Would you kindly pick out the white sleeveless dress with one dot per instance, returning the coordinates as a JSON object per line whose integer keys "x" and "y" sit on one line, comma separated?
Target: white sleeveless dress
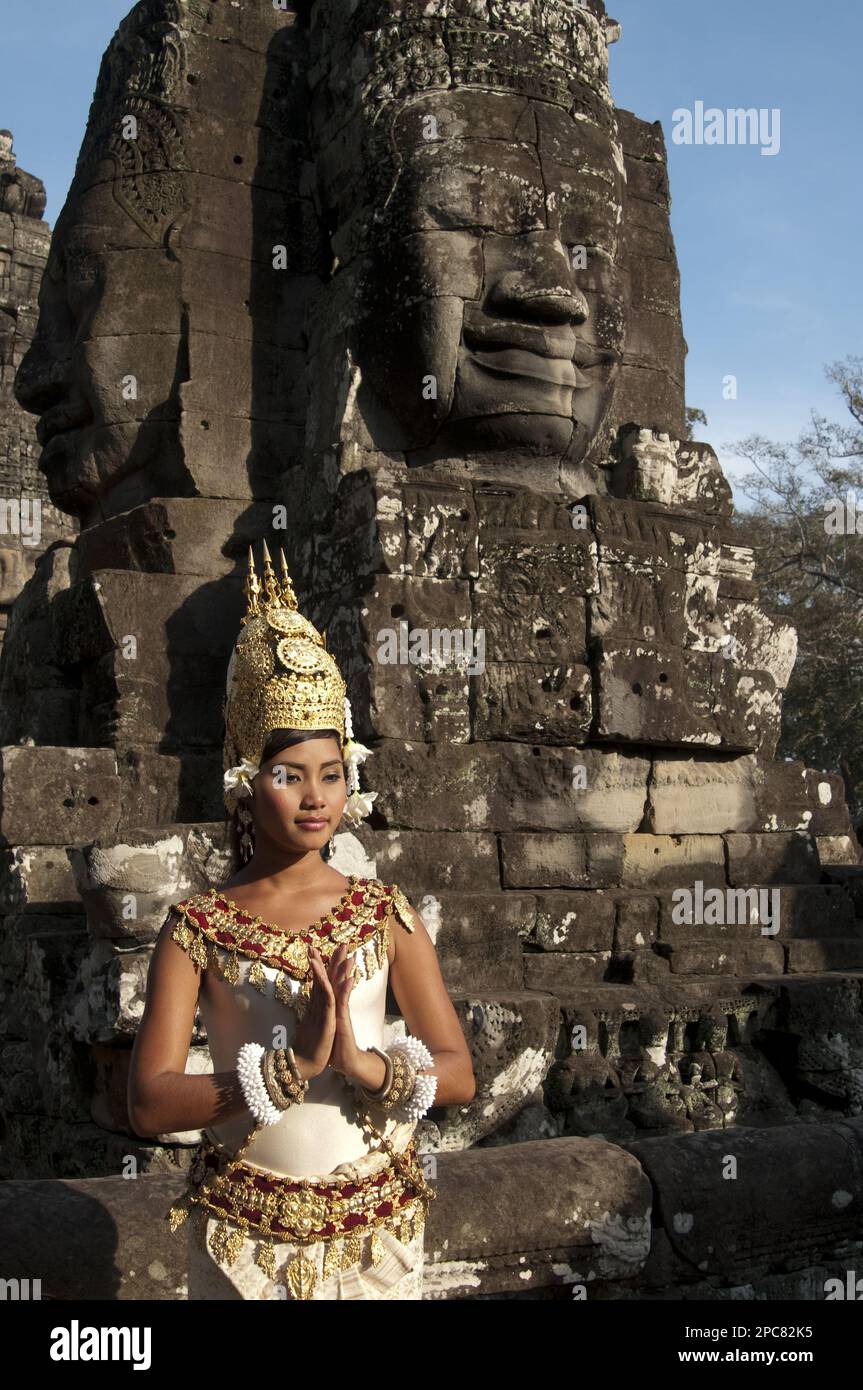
{"x": 321, "y": 1138}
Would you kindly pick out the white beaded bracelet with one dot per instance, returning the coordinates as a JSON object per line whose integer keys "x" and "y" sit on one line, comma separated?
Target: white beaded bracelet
{"x": 422, "y": 1096}
{"x": 252, "y": 1084}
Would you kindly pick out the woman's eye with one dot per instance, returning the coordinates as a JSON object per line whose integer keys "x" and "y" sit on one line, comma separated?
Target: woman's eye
{"x": 292, "y": 777}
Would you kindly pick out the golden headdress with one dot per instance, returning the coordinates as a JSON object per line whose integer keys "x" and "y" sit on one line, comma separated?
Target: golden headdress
{"x": 281, "y": 676}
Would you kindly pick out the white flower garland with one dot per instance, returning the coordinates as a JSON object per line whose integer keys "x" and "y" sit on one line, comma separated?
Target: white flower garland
{"x": 359, "y": 804}
{"x": 422, "y": 1096}
{"x": 252, "y": 1084}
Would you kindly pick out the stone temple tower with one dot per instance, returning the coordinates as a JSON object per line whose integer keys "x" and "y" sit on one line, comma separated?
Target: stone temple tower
{"x": 392, "y": 284}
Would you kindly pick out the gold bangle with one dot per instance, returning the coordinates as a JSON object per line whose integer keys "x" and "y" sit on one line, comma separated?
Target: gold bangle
{"x": 293, "y": 1088}
{"x": 294, "y": 1066}
{"x": 403, "y": 1083}
{"x": 383, "y": 1090}
{"x": 289, "y": 1069}
{"x": 271, "y": 1083}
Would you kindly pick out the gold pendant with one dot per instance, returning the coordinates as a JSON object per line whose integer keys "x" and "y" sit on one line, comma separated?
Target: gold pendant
{"x": 284, "y": 993}
{"x": 297, "y": 954}
{"x": 376, "y": 1248}
{"x": 265, "y": 1259}
{"x": 177, "y": 1215}
{"x": 198, "y": 952}
{"x": 402, "y": 908}
{"x": 257, "y": 978}
{"x": 352, "y": 1251}
{"x": 218, "y": 1239}
{"x": 413, "y": 1224}
{"x": 332, "y": 1258}
{"x": 183, "y": 935}
{"x": 226, "y": 1244}
{"x": 301, "y": 1276}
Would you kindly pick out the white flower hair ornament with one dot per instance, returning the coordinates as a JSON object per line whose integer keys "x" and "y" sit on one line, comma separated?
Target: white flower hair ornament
{"x": 239, "y": 778}
{"x": 359, "y": 803}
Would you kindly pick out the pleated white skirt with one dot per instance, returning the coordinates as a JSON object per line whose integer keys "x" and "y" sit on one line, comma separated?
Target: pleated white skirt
{"x": 397, "y": 1275}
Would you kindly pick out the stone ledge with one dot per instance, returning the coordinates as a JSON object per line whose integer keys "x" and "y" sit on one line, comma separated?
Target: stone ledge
{"x": 797, "y": 1198}
{"x": 587, "y": 1220}
{"x": 588, "y": 1216}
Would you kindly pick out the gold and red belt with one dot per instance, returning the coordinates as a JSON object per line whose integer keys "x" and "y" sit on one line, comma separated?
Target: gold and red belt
{"x": 337, "y": 1211}
{"x": 303, "y": 1210}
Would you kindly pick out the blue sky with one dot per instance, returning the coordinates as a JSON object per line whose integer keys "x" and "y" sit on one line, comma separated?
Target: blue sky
{"x": 771, "y": 287}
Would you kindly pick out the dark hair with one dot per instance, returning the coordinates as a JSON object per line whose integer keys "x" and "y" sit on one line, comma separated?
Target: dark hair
{"x": 279, "y": 739}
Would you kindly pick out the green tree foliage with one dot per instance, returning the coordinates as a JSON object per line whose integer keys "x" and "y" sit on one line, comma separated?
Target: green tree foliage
{"x": 806, "y": 525}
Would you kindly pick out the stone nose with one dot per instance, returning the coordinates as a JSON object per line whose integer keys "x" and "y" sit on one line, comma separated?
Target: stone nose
{"x": 42, "y": 379}
{"x": 543, "y": 290}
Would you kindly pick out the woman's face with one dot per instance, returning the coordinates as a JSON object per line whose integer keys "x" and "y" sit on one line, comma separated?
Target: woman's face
{"x": 300, "y": 794}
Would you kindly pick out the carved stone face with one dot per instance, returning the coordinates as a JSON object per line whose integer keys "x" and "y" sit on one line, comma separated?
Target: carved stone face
{"x": 164, "y": 356}
{"x": 493, "y": 312}
{"x": 104, "y": 366}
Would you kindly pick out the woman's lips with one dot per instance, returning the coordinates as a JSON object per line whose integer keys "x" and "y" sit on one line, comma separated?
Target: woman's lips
{"x": 312, "y": 824}
{"x": 520, "y": 362}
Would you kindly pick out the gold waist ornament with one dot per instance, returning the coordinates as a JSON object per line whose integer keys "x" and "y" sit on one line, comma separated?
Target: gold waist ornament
{"x": 344, "y": 1214}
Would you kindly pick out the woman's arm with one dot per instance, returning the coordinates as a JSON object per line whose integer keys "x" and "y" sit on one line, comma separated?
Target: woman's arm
{"x": 429, "y": 1014}
{"x": 161, "y": 1098}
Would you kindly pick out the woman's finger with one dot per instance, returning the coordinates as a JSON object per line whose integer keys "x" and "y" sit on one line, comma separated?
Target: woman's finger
{"x": 325, "y": 990}
{"x": 347, "y": 982}
{"x": 336, "y": 959}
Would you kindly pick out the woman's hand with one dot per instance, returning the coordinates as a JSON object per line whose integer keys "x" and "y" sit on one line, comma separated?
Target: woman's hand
{"x": 316, "y": 1030}
{"x": 356, "y": 1063}
{"x": 342, "y": 976}
{"x": 327, "y": 1023}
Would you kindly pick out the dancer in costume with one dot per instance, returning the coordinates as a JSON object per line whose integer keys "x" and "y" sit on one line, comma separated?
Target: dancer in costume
{"x": 307, "y": 1183}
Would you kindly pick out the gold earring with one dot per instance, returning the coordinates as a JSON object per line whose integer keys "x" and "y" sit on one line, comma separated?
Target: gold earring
{"x": 247, "y": 835}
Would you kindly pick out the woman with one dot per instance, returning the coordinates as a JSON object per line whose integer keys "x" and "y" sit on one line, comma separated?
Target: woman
{"x": 307, "y": 1183}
